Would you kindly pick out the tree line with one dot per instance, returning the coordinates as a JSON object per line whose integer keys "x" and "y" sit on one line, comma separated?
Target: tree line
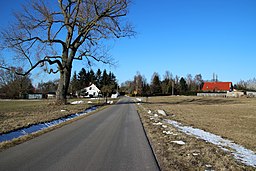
{"x": 169, "y": 85}
{"x": 246, "y": 85}
{"x": 13, "y": 86}
{"x": 16, "y": 86}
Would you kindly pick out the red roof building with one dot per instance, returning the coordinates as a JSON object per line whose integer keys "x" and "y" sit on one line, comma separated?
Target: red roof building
{"x": 217, "y": 86}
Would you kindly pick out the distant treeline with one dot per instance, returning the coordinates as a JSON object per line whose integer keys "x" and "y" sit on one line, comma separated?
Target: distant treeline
{"x": 16, "y": 86}
{"x": 171, "y": 85}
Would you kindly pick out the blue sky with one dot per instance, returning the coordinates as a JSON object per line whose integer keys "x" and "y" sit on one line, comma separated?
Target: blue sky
{"x": 185, "y": 37}
{"x": 193, "y": 36}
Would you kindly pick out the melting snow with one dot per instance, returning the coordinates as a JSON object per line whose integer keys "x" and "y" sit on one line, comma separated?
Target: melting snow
{"x": 164, "y": 126}
{"x": 41, "y": 126}
{"x": 246, "y": 156}
{"x": 77, "y": 102}
{"x": 161, "y": 112}
{"x": 179, "y": 142}
{"x": 159, "y": 123}
{"x": 168, "y": 133}
{"x": 139, "y": 99}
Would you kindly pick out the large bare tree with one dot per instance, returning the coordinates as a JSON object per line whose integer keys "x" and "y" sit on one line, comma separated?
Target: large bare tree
{"x": 52, "y": 34}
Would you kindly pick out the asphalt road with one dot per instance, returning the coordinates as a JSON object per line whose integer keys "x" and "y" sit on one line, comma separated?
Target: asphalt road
{"x": 112, "y": 139}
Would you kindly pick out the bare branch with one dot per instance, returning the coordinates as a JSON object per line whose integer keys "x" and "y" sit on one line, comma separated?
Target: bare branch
{"x": 44, "y": 36}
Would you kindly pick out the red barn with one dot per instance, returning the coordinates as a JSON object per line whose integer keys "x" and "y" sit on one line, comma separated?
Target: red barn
{"x": 217, "y": 86}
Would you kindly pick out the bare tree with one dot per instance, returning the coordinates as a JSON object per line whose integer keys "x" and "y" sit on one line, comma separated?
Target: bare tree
{"x": 138, "y": 83}
{"x": 14, "y": 86}
{"x": 53, "y": 34}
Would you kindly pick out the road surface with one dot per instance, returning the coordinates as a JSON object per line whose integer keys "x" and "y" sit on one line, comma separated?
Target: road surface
{"x": 112, "y": 139}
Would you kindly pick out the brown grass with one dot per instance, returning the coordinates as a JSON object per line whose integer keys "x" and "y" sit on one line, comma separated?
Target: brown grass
{"x": 21, "y": 113}
{"x": 16, "y": 141}
{"x": 231, "y": 118}
{"x": 216, "y": 115}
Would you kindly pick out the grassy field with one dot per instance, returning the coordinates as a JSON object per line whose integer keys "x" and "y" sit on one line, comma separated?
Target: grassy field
{"x": 16, "y": 114}
{"x": 233, "y": 119}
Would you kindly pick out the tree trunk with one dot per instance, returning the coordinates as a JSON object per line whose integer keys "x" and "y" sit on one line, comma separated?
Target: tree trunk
{"x": 61, "y": 94}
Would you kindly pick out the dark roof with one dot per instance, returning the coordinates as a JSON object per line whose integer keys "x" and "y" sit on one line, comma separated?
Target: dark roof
{"x": 217, "y": 86}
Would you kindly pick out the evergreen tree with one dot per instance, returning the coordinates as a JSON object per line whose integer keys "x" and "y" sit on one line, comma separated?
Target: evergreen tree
{"x": 104, "y": 79}
{"x": 91, "y": 77}
{"x": 156, "y": 84}
{"x": 106, "y": 82}
{"x": 98, "y": 78}
{"x": 83, "y": 78}
{"x": 183, "y": 86}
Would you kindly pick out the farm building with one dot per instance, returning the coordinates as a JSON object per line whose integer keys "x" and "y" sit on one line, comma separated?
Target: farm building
{"x": 91, "y": 91}
{"x": 35, "y": 96}
{"x": 217, "y": 86}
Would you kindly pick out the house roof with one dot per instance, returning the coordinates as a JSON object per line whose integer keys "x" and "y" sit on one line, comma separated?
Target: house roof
{"x": 217, "y": 86}
{"x": 93, "y": 86}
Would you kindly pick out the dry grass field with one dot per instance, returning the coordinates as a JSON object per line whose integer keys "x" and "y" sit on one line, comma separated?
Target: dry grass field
{"x": 15, "y": 114}
{"x": 234, "y": 119}
{"x": 231, "y": 118}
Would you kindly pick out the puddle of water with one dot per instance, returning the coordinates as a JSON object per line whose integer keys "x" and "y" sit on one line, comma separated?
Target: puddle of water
{"x": 244, "y": 155}
{"x": 41, "y": 126}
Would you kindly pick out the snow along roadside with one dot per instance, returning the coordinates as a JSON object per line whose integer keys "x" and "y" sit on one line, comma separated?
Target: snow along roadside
{"x": 242, "y": 154}
{"x": 41, "y": 126}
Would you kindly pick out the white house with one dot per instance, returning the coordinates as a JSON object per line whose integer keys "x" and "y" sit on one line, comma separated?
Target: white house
{"x": 91, "y": 91}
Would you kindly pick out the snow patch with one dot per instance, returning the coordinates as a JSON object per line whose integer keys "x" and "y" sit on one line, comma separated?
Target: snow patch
{"x": 158, "y": 123}
{"x": 242, "y": 154}
{"x": 139, "y": 99}
{"x": 195, "y": 154}
{"x": 161, "y": 112}
{"x": 168, "y": 133}
{"x": 179, "y": 142}
{"x": 77, "y": 102}
{"x": 164, "y": 126}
